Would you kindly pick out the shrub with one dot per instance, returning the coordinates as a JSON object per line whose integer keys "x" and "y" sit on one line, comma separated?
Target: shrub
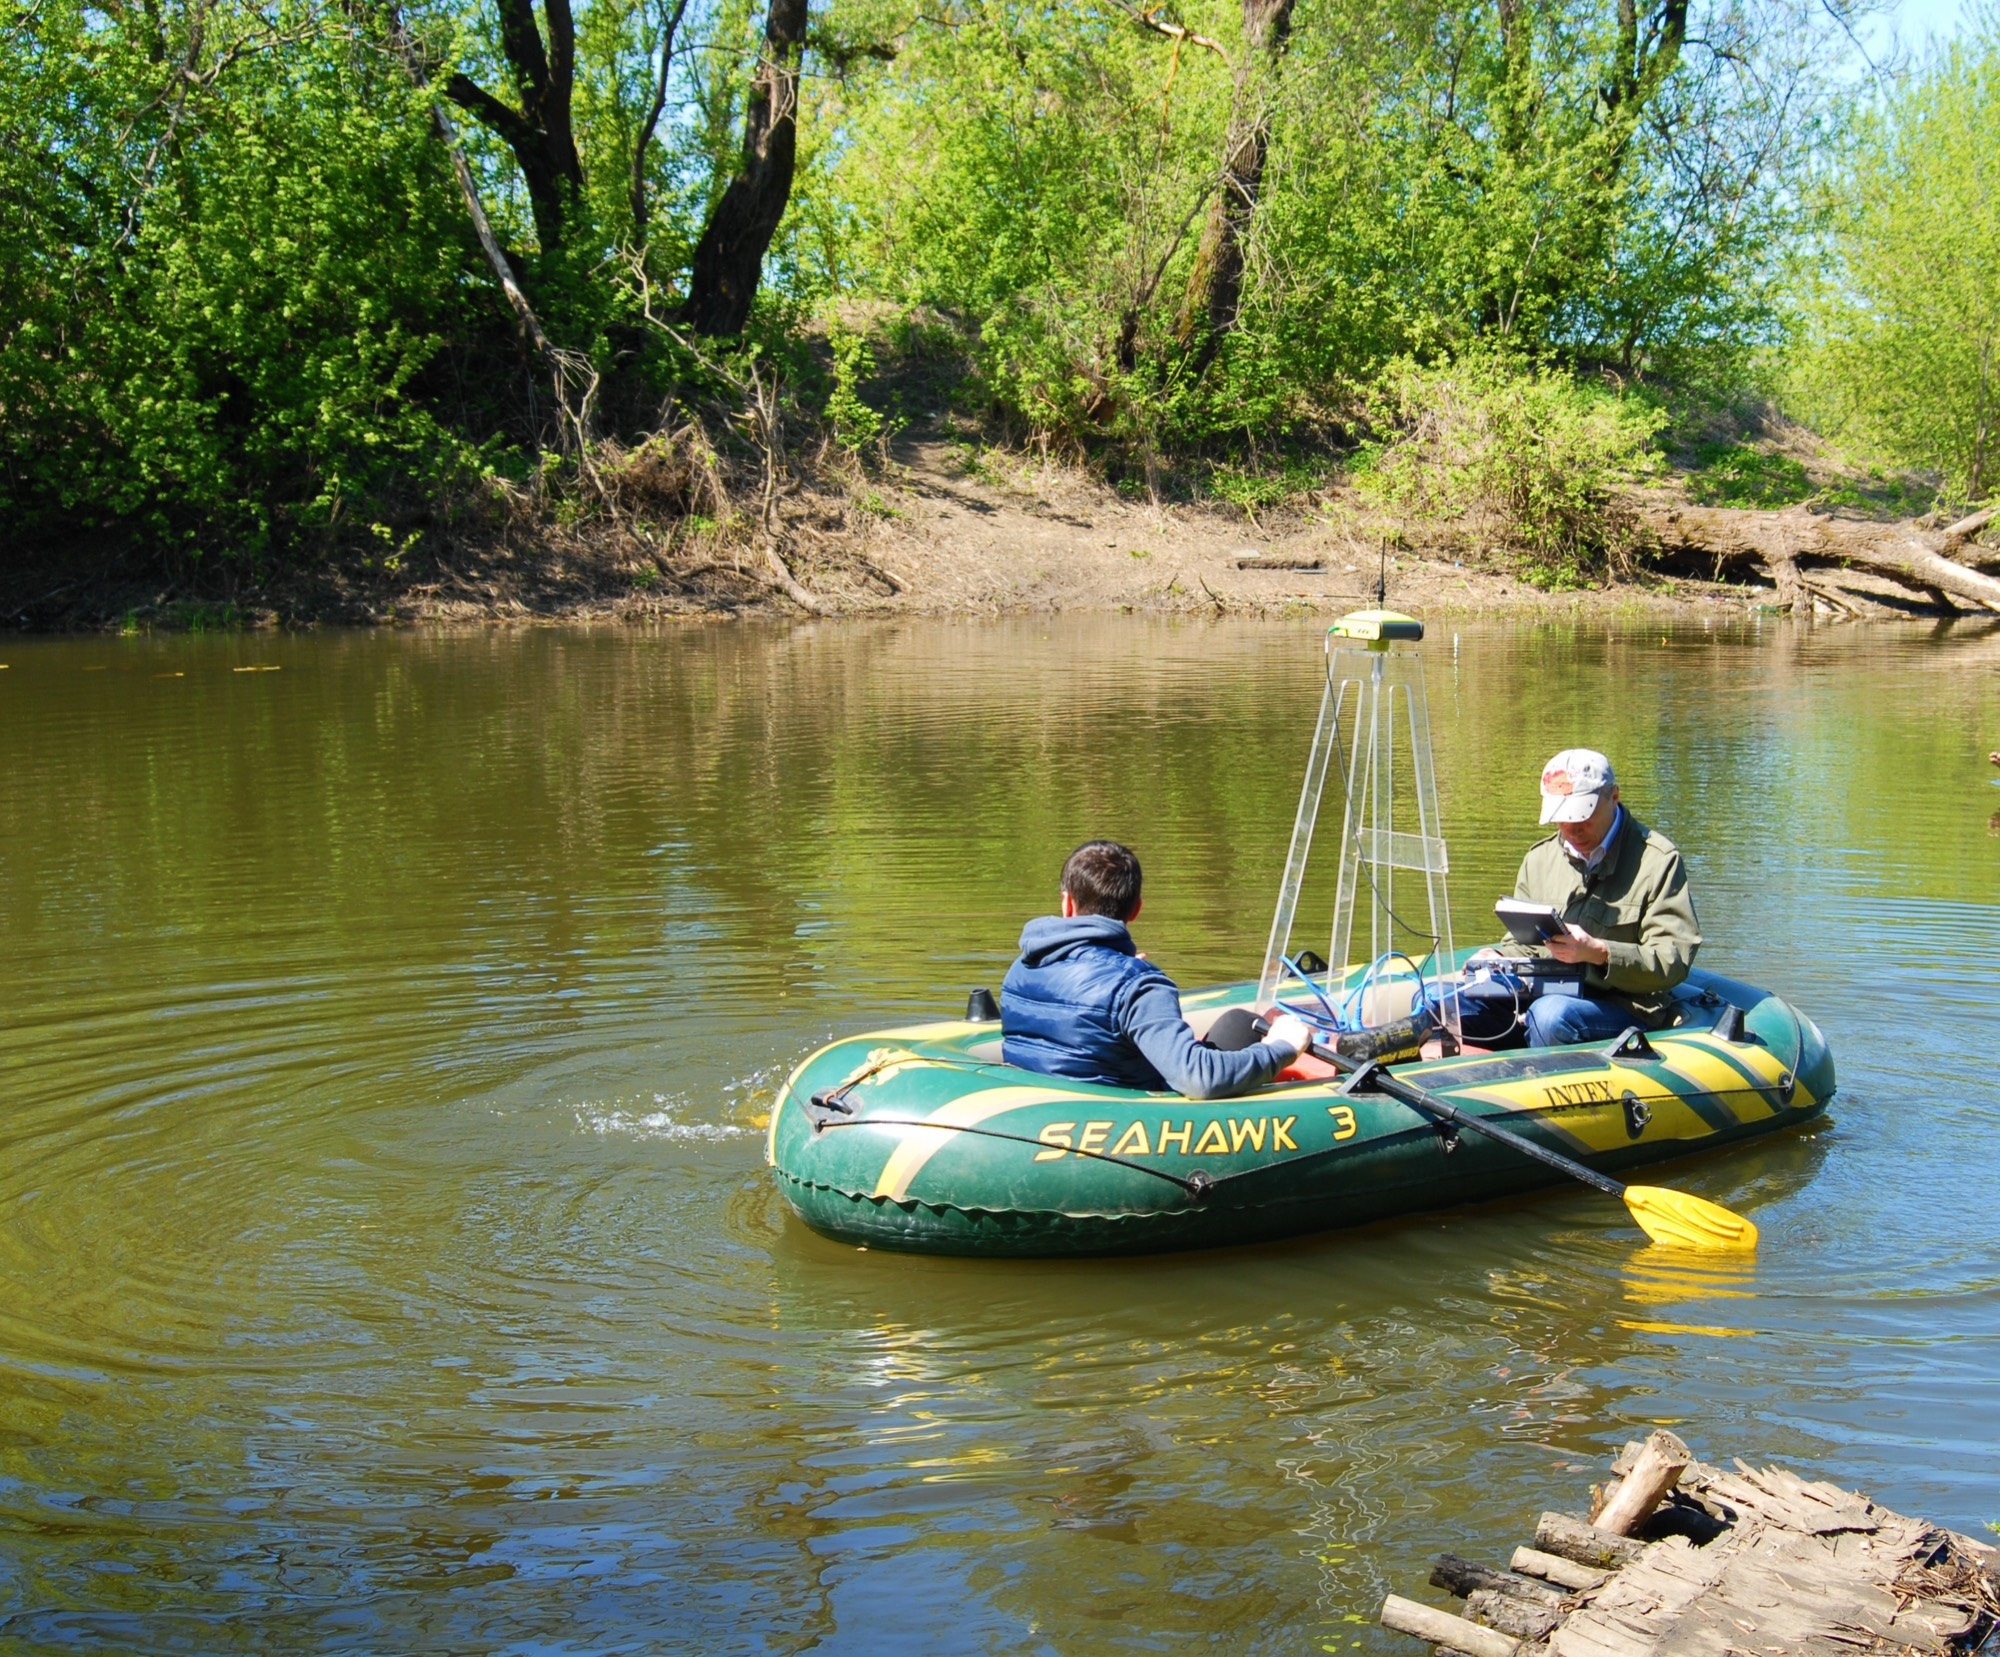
{"x": 1251, "y": 488}
{"x": 1734, "y": 474}
{"x": 1538, "y": 453}
{"x": 855, "y": 425}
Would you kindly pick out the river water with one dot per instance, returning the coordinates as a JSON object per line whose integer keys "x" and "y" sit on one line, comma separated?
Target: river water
{"x": 387, "y": 1260}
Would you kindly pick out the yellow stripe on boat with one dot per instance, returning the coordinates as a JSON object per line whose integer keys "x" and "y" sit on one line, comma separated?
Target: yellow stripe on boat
{"x": 908, "y": 1159}
{"x": 1579, "y": 1129}
{"x": 1723, "y": 1080}
{"x": 1607, "y": 1127}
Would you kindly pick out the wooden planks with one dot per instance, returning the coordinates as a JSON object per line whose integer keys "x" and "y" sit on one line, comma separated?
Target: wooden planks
{"x": 1745, "y": 1563}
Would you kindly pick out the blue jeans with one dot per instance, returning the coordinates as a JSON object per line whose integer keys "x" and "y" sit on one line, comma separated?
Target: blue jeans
{"x": 1571, "y": 1013}
{"x": 1538, "y": 1013}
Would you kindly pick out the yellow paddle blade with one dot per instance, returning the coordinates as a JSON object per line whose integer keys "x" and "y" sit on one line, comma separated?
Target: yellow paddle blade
{"x": 1682, "y": 1221}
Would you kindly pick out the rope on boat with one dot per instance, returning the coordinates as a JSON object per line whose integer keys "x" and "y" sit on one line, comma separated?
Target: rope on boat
{"x": 1197, "y": 1185}
{"x": 835, "y": 1098}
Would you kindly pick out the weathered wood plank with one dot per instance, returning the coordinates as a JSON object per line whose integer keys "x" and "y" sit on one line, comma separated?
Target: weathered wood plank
{"x": 1794, "y": 1568}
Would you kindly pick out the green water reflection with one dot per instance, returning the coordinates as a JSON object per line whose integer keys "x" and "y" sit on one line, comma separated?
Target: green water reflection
{"x": 388, "y": 1261}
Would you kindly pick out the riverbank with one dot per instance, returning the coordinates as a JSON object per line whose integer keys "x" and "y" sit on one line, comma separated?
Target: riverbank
{"x": 937, "y": 524}
{"x": 944, "y": 528}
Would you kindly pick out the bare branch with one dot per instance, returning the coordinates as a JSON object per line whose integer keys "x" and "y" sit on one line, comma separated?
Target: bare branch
{"x": 1150, "y": 18}
{"x": 842, "y": 55}
{"x": 651, "y": 124}
{"x": 503, "y": 272}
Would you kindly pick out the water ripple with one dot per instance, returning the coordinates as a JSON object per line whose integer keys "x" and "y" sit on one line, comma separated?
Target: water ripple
{"x": 388, "y": 1042}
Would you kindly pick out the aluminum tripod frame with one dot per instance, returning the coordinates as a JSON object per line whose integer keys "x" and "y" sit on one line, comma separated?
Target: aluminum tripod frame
{"x": 1375, "y": 718}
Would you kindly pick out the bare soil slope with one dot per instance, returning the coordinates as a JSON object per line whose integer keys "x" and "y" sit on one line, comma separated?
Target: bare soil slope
{"x": 945, "y": 525}
{"x": 959, "y": 530}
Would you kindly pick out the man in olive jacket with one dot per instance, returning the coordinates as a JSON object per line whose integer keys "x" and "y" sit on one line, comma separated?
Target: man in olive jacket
{"x": 1622, "y": 892}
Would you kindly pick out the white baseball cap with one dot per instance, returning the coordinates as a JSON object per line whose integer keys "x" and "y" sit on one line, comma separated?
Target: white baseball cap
{"x": 1571, "y": 783}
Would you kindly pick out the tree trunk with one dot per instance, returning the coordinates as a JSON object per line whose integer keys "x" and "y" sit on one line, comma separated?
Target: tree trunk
{"x": 540, "y": 132}
{"x": 496, "y": 257}
{"x": 729, "y": 259}
{"x": 1644, "y": 60}
{"x": 1215, "y": 286}
{"x": 1785, "y": 543}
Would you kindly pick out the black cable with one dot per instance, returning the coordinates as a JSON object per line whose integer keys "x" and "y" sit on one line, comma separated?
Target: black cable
{"x": 1430, "y": 938}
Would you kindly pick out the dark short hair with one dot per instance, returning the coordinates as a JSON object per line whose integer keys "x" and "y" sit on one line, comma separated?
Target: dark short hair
{"x": 1103, "y": 878}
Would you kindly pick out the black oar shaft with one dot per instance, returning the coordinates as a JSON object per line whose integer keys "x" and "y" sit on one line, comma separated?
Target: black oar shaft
{"x": 1443, "y": 1110}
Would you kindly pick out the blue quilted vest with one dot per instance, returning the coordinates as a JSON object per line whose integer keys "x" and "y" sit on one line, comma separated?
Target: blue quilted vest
{"x": 1063, "y": 1001}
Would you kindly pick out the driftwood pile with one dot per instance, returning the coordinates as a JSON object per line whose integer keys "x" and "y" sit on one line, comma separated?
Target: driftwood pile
{"x": 1814, "y": 558}
{"x": 1742, "y": 1564}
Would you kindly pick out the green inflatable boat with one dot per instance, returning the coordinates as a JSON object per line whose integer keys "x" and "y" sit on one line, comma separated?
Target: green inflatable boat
{"x": 926, "y": 1139}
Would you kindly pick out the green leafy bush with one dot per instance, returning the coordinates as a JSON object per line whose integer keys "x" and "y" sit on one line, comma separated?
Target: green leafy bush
{"x": 1538, "y": 454}
{"x": 1902, "y": 352}
{"x": 855, "y": 424}
{"x": 1250, "y": 489}
{"x": 227, "y": 347}
{"x": 1734, "y": 474}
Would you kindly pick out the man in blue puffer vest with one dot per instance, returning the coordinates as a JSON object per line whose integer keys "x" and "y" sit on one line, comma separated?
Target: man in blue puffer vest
{"x": 1082, "y": 1002}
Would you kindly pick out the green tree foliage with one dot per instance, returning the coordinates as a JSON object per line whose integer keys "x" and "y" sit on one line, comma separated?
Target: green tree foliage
{"x": 231, "y": 262}
{"x": 1601, "y": 181}
{"x": 1540, "y": 451}
{"x": 245, "y": 308}
{"x": 1903, "y": 348}
{"x": 1035, "y": 172}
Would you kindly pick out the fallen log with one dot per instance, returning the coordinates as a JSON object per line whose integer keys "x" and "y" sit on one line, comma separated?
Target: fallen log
{"x": 1784, "y": 543}
{"x": 1465, "y": 1578}
{"x": 1564, "y": 1573}
{"x": 1558, "y": 1533}
{"x": 1493, "y": 1609}
{"x": 1441, "y": 1628}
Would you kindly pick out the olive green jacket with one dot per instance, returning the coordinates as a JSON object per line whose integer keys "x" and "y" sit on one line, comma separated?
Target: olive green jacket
{"x": 1637, "y": 901}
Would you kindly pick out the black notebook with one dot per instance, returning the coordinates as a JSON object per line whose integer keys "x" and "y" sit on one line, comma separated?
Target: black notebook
{"x": 1529, "y": 923}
